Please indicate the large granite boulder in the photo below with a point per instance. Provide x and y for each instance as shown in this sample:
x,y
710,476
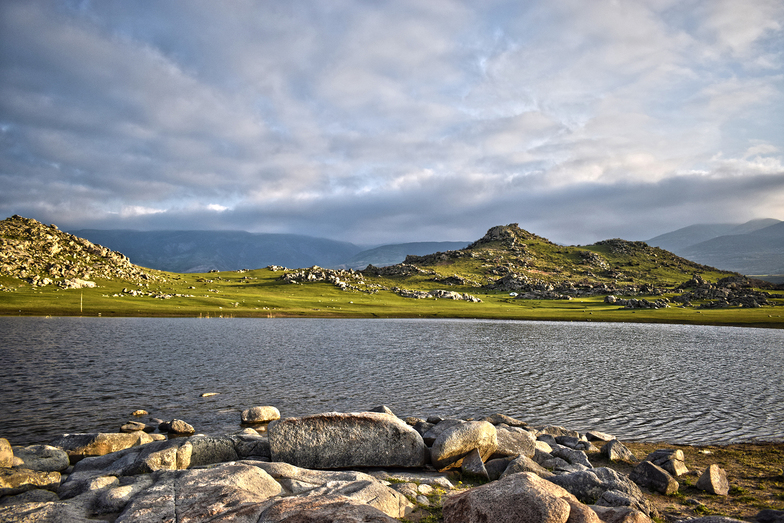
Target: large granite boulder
x,y
456,442
79,446
44,458
226,492
519,498
336,440
526,464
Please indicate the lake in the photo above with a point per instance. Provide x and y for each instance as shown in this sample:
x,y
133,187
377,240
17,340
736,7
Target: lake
x,y
673,383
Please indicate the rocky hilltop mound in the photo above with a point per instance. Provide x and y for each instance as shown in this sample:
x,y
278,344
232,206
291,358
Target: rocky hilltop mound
x,y
44,255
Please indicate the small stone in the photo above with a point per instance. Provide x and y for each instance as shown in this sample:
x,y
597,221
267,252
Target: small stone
x,y
132,426
208,394
139,412
176,426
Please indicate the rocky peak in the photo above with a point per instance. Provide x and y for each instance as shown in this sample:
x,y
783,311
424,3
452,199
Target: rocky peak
x,y
507,234
43,255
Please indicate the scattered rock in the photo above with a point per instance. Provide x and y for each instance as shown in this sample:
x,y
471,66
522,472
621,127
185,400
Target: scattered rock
x,y
670,460
176,426
608,486
714,481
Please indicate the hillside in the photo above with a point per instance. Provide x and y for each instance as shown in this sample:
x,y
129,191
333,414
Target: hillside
x,y
44,255
386,255
202,251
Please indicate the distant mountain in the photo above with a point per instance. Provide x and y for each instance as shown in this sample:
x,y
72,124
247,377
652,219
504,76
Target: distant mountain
x,y
759,252
387,255
202,251
686,237
755,247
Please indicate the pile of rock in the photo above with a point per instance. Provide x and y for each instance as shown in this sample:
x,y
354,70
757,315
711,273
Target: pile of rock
x,y
437,293
727,292
365,466
44,255
633,303
342,279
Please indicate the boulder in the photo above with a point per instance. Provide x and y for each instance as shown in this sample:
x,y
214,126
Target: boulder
x,y
526,464
611,488
260,415
252,446
498,419
322,510
620,514
51,512
16,481
595,435
518,498
44,458
79,446
212,449
496,467
456,442
670,460
514,442
226,492
617,451
473,467
770,516
176,426
653,477
335,440
714,481
555,431
132,426
6,454
575,457
383,409
432,435
30,496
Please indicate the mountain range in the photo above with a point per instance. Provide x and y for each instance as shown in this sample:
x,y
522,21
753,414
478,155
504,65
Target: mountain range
x,y
752,248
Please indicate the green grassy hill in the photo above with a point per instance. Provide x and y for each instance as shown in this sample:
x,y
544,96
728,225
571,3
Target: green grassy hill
x,y
509,273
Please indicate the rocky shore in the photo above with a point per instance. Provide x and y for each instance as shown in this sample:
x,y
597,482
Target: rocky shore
x,y
349,467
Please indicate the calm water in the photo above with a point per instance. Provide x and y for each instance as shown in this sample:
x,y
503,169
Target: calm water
x,y
670,383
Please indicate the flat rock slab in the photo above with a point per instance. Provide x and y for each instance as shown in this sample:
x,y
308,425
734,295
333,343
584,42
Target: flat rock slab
x,y
342,440
79,446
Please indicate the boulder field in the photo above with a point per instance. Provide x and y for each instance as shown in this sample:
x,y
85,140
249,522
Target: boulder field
x,y
346,467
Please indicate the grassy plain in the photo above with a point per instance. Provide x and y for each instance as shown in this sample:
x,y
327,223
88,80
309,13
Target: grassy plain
x,y
261,293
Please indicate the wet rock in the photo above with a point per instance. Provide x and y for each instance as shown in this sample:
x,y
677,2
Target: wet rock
x,y
43,458
335,440
139,412
176,426
519,498
714,481
653,477
456,442
617,451
79,446
132,426
262,414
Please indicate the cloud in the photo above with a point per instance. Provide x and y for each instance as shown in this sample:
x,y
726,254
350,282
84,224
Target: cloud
x,y
404,120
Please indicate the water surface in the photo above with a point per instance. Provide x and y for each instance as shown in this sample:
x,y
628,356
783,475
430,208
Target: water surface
x,y
675,383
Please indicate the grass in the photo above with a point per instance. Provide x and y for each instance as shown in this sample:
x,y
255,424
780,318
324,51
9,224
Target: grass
x,y
260,293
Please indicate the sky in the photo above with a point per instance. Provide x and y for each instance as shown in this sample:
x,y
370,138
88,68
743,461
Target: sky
x,y
393,121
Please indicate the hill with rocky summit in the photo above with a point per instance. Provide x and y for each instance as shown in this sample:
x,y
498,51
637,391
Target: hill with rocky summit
x,y
44,255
